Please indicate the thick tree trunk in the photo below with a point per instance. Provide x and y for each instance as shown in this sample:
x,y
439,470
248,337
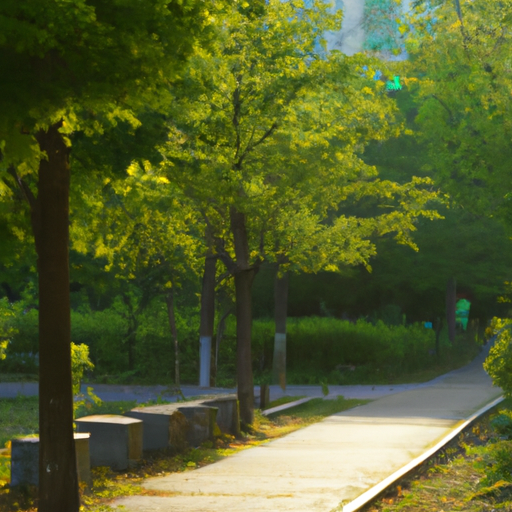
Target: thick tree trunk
x,y
169,298
58,482
451,307
280,315
244,277
245,382
207,320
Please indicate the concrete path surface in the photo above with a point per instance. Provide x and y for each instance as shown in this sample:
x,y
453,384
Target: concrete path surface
x,y
330,463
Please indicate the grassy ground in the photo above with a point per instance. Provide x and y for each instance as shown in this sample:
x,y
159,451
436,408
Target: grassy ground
x,y
18,417
473,474
108,484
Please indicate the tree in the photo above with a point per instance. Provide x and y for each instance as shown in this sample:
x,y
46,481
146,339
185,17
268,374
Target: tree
x,y
145,231
69,68
459,62
266,139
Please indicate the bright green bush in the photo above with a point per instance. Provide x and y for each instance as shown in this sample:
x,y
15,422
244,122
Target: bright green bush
x,y
499,362
80,362
7,330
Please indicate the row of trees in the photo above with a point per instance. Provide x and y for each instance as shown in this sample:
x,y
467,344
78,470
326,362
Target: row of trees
x,y
211,139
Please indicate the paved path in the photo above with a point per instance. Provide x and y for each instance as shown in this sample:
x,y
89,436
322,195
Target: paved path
x,y
332,462
141,394
319,467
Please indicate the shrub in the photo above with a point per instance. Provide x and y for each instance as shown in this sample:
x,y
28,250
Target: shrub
x,y
495,460
499,362
502,423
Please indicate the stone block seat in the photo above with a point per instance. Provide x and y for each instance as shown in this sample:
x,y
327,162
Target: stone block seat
x,y
25,460
116,440
228,415
187,423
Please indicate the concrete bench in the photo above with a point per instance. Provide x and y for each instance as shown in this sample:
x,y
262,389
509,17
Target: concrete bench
x,y
25,460
175,425
228,415
116,441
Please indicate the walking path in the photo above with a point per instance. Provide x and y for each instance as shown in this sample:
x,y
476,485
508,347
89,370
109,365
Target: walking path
x,y
331,463
321,467
141,394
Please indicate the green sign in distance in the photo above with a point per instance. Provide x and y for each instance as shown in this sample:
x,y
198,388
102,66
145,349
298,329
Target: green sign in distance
x,y
394,85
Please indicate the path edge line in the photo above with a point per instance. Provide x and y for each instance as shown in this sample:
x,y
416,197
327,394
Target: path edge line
x,y
372,493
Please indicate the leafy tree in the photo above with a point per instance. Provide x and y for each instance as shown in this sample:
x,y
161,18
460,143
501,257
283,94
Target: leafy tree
x,y
266,141
70,67
460,62
143,229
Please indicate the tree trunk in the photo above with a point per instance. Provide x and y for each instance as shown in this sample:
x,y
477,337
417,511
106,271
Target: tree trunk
x,y
244,277
245,383
58,481
131,334
451,306
221,327
438,327
280,315
207,320
169,298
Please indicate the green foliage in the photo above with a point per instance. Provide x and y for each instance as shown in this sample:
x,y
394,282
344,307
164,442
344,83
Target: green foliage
x,y
7,330
502,423
340,352
80,362
462,87
499,362
328,342
103,332
496,460
18,417
155,349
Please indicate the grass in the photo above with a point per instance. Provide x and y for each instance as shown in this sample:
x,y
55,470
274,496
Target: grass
x,y
468,476
109,484
18,417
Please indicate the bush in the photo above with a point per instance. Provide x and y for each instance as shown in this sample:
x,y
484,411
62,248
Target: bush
x,y
499,362
326,347
495,460
502,423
